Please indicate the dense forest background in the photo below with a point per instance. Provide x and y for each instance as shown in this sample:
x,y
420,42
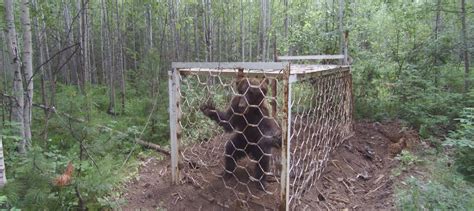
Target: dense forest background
x,y
82,81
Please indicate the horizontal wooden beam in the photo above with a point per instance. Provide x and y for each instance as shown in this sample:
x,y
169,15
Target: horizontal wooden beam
x,y
231,65
310,57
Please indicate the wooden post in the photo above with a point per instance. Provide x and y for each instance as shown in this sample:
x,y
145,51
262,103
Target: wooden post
x,y
175,130
273,103
285,146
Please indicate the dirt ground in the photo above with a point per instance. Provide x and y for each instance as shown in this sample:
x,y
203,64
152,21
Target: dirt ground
x,y
358,177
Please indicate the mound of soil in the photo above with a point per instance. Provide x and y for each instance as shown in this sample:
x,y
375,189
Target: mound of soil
x,y
358,176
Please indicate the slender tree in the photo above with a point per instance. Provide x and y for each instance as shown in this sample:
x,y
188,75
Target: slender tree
x,y
465,49
27,66
436,34
18,97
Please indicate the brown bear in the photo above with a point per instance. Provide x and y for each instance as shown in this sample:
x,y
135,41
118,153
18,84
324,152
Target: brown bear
x,y
255,132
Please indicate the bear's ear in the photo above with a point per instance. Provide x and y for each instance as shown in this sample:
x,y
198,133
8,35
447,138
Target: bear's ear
x,y
239,78
240,75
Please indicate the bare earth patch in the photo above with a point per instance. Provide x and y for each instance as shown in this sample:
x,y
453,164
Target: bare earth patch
x,y
358,176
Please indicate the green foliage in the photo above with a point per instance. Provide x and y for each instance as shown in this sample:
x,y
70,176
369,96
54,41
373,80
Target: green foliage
x,y
30,178
407,161
407,158
425,106
444,189
107,158
462,140
401,70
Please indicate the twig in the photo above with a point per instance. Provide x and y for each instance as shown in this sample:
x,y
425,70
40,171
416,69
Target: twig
x,y
177,198
339,200
347,163
81,200
379,178
329,180
374,190
347,186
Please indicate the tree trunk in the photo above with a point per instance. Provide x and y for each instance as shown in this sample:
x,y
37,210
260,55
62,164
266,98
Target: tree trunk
x,y
263,29
84,40
465,47
3,176
173,17
27,66
196,37
102,41
18,99
120,56
70,77
242,33
436,32
40,45
110,60
286,21
341,28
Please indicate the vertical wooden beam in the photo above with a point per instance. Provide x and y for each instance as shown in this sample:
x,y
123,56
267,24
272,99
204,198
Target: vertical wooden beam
x,y
174,110
273,103
285,146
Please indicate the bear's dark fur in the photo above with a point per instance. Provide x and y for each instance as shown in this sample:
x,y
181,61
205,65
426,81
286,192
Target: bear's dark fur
x,y
255,132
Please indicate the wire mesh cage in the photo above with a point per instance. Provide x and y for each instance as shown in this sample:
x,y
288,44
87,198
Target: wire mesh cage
x,y
256,132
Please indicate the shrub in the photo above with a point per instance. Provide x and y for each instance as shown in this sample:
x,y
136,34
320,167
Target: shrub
x,y
463,141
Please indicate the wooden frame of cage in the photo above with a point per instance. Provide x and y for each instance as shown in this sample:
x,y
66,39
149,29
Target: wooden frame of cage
x,y
289,75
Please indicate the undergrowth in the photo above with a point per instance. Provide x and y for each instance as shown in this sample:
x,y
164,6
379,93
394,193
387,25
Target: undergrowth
x,y
101,148
447,179
441,188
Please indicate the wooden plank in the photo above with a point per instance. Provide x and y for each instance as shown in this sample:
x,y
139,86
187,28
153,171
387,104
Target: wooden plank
x,y
232,73
173,85
285,144
307,75
310,57
231,65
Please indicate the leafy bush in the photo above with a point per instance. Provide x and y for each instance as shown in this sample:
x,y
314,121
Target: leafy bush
x,y
463,141
443,189
107,158
407,158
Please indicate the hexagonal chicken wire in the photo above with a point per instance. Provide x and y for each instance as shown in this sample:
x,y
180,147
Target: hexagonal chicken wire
x,y
259,131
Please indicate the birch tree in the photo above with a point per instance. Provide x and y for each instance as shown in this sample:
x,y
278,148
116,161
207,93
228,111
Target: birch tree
x,y
18,99
27,67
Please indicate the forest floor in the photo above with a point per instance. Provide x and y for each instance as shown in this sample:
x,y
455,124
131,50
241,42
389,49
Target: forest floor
x,y
359,176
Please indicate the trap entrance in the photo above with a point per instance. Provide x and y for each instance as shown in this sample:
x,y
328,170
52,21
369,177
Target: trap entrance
x,y
292,115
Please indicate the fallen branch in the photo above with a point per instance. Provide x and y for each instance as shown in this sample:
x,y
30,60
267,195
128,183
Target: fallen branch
x,y
153,146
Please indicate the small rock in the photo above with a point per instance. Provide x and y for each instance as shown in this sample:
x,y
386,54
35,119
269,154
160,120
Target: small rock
x,y
364,175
